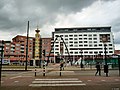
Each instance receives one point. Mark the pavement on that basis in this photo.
(72, 78)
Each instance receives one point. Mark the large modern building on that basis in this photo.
(83, 42)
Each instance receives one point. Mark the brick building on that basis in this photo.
(15, 51)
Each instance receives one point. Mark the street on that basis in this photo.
(72, 78)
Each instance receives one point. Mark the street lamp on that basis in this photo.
(81, 64)
(105, 39)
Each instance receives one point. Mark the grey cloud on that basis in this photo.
(19, 11)
(14, 14)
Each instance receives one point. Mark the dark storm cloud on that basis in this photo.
(14, 13)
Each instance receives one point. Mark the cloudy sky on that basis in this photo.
(49, 14)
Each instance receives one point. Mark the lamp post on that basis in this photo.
(1, 60)
(105, 39)
(81, 64)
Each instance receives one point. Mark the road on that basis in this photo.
(73, 78)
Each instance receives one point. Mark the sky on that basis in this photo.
(50, 14)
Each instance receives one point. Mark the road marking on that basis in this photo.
(89, 80)
(56, 81)
(2, 81)
(103, 80)
(116, 79)
(15, 77)
(36, 85)
(16, 81)
(70, 79)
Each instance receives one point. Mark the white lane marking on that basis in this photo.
(116, 79)
(103, 80)
(56, 82)
(70, 79)
(16, 81)
(89, 80)
(15, 77)
(36, 85)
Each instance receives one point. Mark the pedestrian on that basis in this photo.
(98, 69)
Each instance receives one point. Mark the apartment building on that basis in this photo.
(83, 41)
(15, 50)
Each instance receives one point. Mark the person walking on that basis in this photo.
(98, 69)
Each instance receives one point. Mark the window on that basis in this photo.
(70, 35)
(95, 41)
(71, 38)
(95, 45)
(75, 42)
(110, 51)
(75, 38)
(90, 45)
(90, 35)
(90, 41)
(90, 38)
(90, 52)
(7, 47)
(71, 45)
(71, 42)
(94, 34)
(66, 35)
(85, 45)
(17, 44)
(94, 38)
(110, 44)
(76, 52)
(85, 52)
(80, 45)
(80, 41)
(17, 48)
(75, 35)
(85, 34)
(66, 38)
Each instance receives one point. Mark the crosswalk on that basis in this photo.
(57, 82)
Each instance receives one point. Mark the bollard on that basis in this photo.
(43, 70)
(35, 71)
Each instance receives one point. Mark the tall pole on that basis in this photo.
(1, 61)
(81, 59)
(106, 66)
(27, 47)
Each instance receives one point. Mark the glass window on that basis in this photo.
(75, 35)
(71, 38)
(70, 35)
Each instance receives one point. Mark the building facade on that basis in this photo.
(15, 51)
(46, 45)
(83, 42)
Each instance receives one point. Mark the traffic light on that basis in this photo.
(44, 52)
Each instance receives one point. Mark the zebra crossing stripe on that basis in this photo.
(56, 81)
(70, 79)
(40, 85)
